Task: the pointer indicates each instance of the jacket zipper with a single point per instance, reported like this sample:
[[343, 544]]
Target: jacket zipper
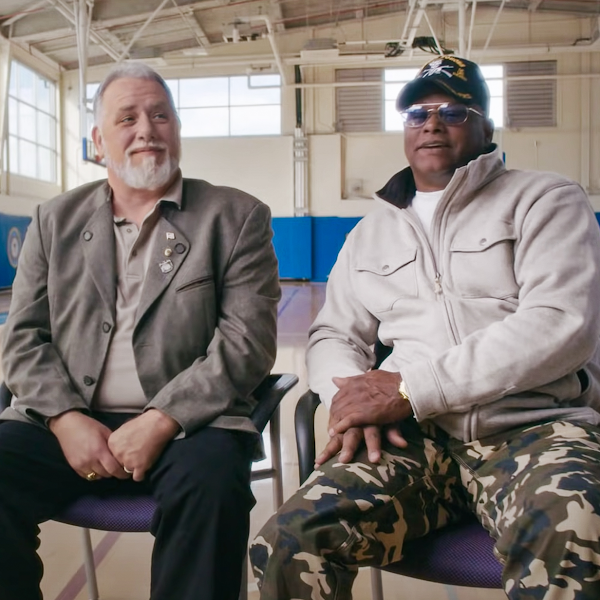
[[470, 421]]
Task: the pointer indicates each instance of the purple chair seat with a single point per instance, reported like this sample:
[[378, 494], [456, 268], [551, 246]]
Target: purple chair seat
[[110, 513], [459, 554], [134, 513]]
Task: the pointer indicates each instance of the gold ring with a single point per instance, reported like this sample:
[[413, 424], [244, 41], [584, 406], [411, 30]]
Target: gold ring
[[91, 476]]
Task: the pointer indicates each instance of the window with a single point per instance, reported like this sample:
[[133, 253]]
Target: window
[[494, 77], [228, 106], [396, 79], [221, 106], [32, 126]]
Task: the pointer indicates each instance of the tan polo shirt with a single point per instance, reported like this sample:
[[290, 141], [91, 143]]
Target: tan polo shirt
[[119, 388]]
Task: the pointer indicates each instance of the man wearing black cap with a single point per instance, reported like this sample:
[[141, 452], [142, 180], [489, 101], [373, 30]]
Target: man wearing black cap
[[485, 284]]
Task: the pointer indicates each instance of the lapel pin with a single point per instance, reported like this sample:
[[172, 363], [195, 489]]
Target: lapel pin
[[166, 266], [170, 235], [168, 251]]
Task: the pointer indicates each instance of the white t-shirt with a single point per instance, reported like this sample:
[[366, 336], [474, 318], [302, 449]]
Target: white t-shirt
[[424, 204]]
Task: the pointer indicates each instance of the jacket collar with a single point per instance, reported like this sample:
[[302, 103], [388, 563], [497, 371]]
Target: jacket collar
[[400, 189]]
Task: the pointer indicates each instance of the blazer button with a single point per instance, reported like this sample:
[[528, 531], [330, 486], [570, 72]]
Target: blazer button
[[106, 327], [88, 235], [87, 380], [179, 248]]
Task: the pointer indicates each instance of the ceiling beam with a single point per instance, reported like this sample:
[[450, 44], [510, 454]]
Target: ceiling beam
[[44, 36], [112, 51], [100, 26], [140, 30], [26, 11], [142, 16], [187, 14], [276, 15]]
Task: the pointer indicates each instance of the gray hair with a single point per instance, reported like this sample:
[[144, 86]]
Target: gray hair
[[133, 70]]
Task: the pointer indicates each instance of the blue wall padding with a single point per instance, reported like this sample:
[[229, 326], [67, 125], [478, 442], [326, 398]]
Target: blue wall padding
[[329, 235], [12, 234], [292, 239], [307, 247]]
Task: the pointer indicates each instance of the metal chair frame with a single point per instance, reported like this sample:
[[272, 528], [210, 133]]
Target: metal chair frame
[[87, 511]]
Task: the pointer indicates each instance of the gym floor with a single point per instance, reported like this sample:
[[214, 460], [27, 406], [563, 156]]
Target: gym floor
[[123, 559]]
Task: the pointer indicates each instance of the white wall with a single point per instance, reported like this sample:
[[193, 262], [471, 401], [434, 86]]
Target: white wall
[[261, 166]]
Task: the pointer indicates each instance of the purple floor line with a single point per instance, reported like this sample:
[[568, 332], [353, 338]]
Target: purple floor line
[[283, 306], [77, 582]]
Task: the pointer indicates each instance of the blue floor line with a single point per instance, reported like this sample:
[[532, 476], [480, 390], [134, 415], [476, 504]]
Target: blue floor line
[[285, 304]]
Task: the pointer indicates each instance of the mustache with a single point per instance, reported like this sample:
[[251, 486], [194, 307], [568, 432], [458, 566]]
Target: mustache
[[150, 146]]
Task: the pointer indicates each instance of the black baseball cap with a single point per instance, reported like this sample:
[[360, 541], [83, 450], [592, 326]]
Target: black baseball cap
[[456, 76]]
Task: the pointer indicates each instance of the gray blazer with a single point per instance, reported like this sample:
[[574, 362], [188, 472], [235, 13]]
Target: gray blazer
[[205, 332]]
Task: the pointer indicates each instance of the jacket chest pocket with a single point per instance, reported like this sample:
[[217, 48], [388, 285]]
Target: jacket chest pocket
[[482, 263], [380, 282]]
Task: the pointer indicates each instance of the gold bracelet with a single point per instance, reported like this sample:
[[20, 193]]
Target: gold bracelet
[[402, 391]]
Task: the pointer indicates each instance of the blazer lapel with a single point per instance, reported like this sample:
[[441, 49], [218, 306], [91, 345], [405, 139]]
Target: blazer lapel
[[98, 244], [170, 249]]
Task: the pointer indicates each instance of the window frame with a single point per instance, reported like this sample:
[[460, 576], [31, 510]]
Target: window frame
[[15, 137], [229, 108]]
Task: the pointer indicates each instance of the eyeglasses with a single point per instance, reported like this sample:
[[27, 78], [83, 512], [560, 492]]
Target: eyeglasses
[[450, 114]]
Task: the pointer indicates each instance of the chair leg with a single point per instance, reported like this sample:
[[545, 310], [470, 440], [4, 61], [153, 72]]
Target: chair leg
[[88, 563], [244, 586], [376, 585], [275, 437]]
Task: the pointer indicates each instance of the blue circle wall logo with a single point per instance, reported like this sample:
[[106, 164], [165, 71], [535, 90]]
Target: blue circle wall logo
[[13, 246]]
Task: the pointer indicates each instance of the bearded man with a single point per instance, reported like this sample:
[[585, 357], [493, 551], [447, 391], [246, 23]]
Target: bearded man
[[143, 316]]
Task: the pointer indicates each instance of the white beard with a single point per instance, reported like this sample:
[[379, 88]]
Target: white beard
[[145, 176]]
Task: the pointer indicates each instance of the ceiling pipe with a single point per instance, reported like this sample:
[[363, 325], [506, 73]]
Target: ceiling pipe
[[272, 41], [462, 18], [82, 28], [496, 17], [411, 8], [415, 24], [275, 49], [471, 28], [437, 43], [339, 84]]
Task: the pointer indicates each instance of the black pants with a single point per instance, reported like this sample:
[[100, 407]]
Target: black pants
[[201, 484]]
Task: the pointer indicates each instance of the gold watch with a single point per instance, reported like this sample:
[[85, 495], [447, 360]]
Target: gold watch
[[402, 391]]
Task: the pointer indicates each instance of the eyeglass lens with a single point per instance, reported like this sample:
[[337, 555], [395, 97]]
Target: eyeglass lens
[[451, 114]]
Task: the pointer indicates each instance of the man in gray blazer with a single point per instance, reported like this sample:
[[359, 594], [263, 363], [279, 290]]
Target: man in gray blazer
[[143, 316]]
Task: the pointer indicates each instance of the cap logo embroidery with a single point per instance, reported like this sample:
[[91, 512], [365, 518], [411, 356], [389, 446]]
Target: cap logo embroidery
[[460, 74], [437, 68]]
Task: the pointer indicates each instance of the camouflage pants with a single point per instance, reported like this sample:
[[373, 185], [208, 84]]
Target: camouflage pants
[[536, 489]]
